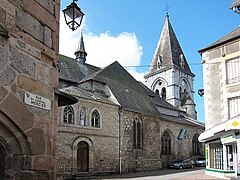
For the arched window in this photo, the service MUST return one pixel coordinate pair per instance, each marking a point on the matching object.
(68, 115)
(157, 91)
(83, 116)
(195, 145)
(163, 93)
(137, 133)
(95, 118)
(166, 143)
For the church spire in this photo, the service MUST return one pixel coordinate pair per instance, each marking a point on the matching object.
(81, 53)
(168, 52)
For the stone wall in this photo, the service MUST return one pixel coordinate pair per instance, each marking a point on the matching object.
(28, 58)
(150, 157)
(103, 142)
(147, 158)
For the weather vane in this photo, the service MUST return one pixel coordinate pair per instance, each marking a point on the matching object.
(167, 8)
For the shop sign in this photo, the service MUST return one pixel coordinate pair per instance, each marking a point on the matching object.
(228, 138)
(233, 124)
(37, 101)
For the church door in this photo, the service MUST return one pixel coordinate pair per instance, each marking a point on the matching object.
(2, 163)
(83, 156)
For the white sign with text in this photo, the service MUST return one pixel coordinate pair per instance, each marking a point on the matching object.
(37, 101)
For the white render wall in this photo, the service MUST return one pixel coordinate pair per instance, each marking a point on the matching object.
(216, 89)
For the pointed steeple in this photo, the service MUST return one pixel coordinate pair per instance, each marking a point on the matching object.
(168, 52)
(81, 53)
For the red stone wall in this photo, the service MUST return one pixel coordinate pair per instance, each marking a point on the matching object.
(28, 58)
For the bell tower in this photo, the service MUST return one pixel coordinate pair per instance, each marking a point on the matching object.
(169, 75)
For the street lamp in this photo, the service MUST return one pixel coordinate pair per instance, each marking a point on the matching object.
(73, 15)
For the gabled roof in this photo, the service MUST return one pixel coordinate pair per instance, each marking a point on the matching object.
(235, 34)
(73, 71)
(129, 93)
(168, 52)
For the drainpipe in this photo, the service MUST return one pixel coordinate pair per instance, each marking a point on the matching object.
(119, 139)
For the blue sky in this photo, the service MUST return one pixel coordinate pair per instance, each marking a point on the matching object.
(128, 31)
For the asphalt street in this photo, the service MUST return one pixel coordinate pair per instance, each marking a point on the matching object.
(198, 173)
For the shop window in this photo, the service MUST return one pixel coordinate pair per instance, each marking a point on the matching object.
(68, 115)
(216, 156)
(229, 158)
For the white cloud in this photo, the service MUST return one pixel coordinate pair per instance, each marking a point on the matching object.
(103, 49)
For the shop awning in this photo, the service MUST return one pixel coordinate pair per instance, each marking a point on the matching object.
(231, 124)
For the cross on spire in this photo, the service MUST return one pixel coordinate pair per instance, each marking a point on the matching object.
(166, 9)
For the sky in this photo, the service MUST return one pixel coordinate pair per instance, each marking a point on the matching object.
(128, 31)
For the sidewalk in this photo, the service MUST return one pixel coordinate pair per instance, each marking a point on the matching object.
(198, 174)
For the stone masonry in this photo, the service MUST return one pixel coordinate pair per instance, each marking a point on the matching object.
(28, 58)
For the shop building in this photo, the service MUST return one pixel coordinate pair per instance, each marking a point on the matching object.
(221, 70)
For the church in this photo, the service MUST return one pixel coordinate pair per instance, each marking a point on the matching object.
(120, 125)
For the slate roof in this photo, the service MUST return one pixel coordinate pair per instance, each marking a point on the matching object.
(133, 95)
(169, 51)
(129, 93)
(73, 71)
(235, 34)
(82, 93)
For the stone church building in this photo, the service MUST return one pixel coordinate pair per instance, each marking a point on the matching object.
(120, 125)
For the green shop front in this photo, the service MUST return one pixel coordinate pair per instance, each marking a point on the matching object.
(222, 146)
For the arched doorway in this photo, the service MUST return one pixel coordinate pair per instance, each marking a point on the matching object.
(83, 156)
(2, 163)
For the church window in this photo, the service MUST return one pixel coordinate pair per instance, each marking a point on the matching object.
(163, 93)
(137, 134)
(68, 115)
(83, 116)
(166, 143)
(95, 118)
(157, 91)
(180, 93)
(195, 145)
(233, 70)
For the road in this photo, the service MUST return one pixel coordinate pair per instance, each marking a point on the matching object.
(166, 174)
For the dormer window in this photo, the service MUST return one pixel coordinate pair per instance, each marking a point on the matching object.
(181, 59)
(159, 63)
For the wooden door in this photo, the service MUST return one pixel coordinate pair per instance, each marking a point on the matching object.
(83, 156)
